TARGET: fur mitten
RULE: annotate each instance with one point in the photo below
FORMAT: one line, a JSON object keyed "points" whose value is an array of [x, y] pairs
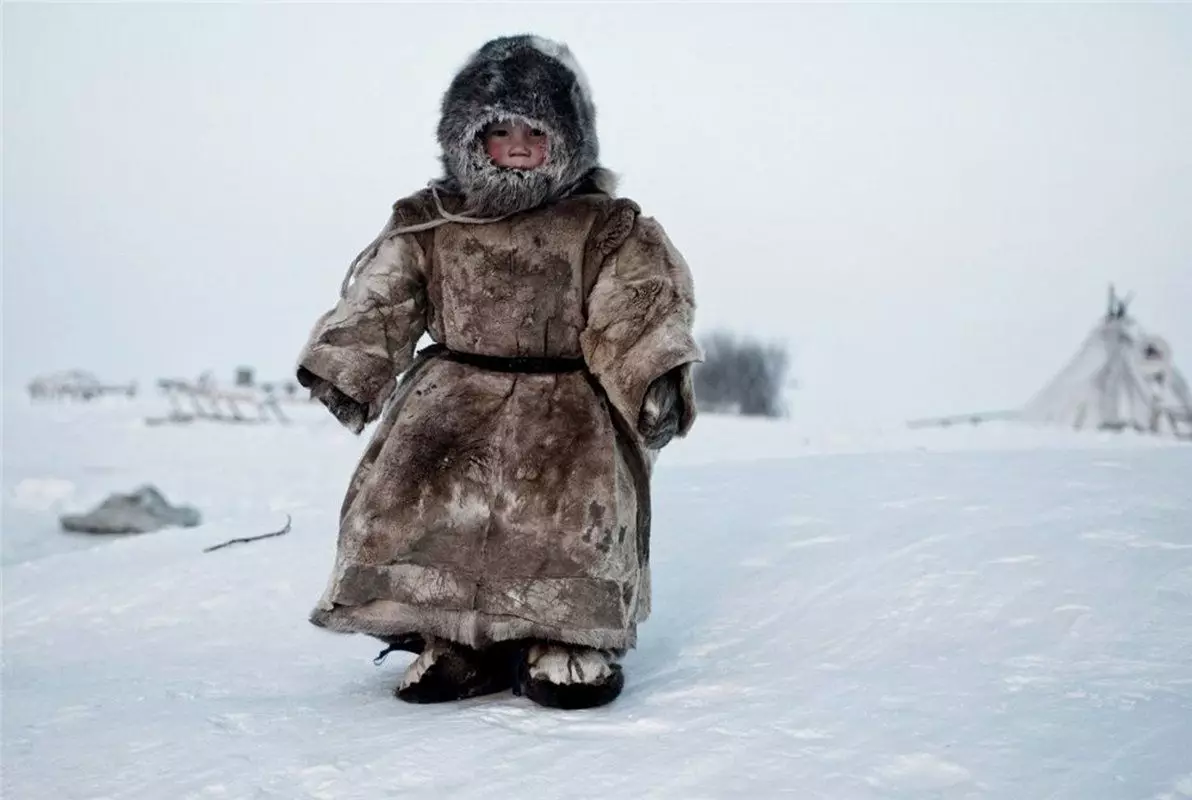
{"points": [[352, 414], [662, 409]]}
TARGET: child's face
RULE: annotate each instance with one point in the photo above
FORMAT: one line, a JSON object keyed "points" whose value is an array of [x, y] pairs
{"points": [[515, 145]]}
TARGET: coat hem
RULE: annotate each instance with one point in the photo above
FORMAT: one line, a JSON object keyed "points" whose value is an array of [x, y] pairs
{"points": [[473, 628]]}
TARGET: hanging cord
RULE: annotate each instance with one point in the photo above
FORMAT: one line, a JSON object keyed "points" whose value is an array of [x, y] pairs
{"points": [[380, 659], [408, 642], [392, 229], [449, 217]]}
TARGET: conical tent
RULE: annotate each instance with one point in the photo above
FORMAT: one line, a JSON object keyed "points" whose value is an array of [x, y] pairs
{"points": [[1121, 378]]}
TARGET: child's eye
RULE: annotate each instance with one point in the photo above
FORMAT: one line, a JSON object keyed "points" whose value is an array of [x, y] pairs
{"points": [[499, 132], [537, 132]]}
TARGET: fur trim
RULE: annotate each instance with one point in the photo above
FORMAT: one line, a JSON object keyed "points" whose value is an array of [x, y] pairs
{"points": [[526, 78], [433, 651], [560, 664]]}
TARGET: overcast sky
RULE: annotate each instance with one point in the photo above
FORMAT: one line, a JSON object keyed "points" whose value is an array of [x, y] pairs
{"points": [[926, 202]]}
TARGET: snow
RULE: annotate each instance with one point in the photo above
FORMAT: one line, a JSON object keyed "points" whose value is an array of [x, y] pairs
{"points": [[994, 612]]}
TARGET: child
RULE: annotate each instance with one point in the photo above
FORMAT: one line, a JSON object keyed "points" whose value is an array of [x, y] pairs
{"points": [[498, 522]]}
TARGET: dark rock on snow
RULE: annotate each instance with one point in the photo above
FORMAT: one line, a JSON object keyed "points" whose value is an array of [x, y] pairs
{"points": [[142, 511]]}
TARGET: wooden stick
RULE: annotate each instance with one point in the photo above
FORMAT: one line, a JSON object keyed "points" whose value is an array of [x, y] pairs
{"points": [[282, 532]]}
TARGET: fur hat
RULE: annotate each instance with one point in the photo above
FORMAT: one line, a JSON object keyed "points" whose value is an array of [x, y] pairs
{"points": [[530, 79]]}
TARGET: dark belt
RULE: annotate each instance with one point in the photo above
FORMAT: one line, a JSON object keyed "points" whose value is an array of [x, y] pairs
{"points": [[525, 364]]}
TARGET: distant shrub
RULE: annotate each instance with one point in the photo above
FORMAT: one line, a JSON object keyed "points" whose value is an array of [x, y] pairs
{"points": [[741, 375]]}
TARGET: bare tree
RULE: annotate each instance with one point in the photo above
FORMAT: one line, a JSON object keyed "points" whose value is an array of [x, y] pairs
{"points": [[740, 375]]}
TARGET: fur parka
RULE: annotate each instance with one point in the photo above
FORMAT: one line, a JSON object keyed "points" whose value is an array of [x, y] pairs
{"points": [[492, 505]]}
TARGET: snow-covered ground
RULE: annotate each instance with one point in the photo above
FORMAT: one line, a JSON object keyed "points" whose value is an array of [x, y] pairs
{"points": [[975, 613]]}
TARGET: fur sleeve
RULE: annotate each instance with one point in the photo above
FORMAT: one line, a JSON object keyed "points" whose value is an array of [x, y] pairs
{"points": [[641, 313], [368, 338]]}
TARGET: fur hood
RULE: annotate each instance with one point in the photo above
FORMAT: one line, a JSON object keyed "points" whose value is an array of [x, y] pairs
{"points": [[534, 80]]}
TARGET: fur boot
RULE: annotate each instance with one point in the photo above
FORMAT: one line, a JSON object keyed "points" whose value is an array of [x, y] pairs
{"points": [[447, 671], [568, 676]]}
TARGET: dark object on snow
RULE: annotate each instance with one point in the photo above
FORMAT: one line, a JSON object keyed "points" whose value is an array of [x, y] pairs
{"points": [[246, 539], [142, 511]]}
